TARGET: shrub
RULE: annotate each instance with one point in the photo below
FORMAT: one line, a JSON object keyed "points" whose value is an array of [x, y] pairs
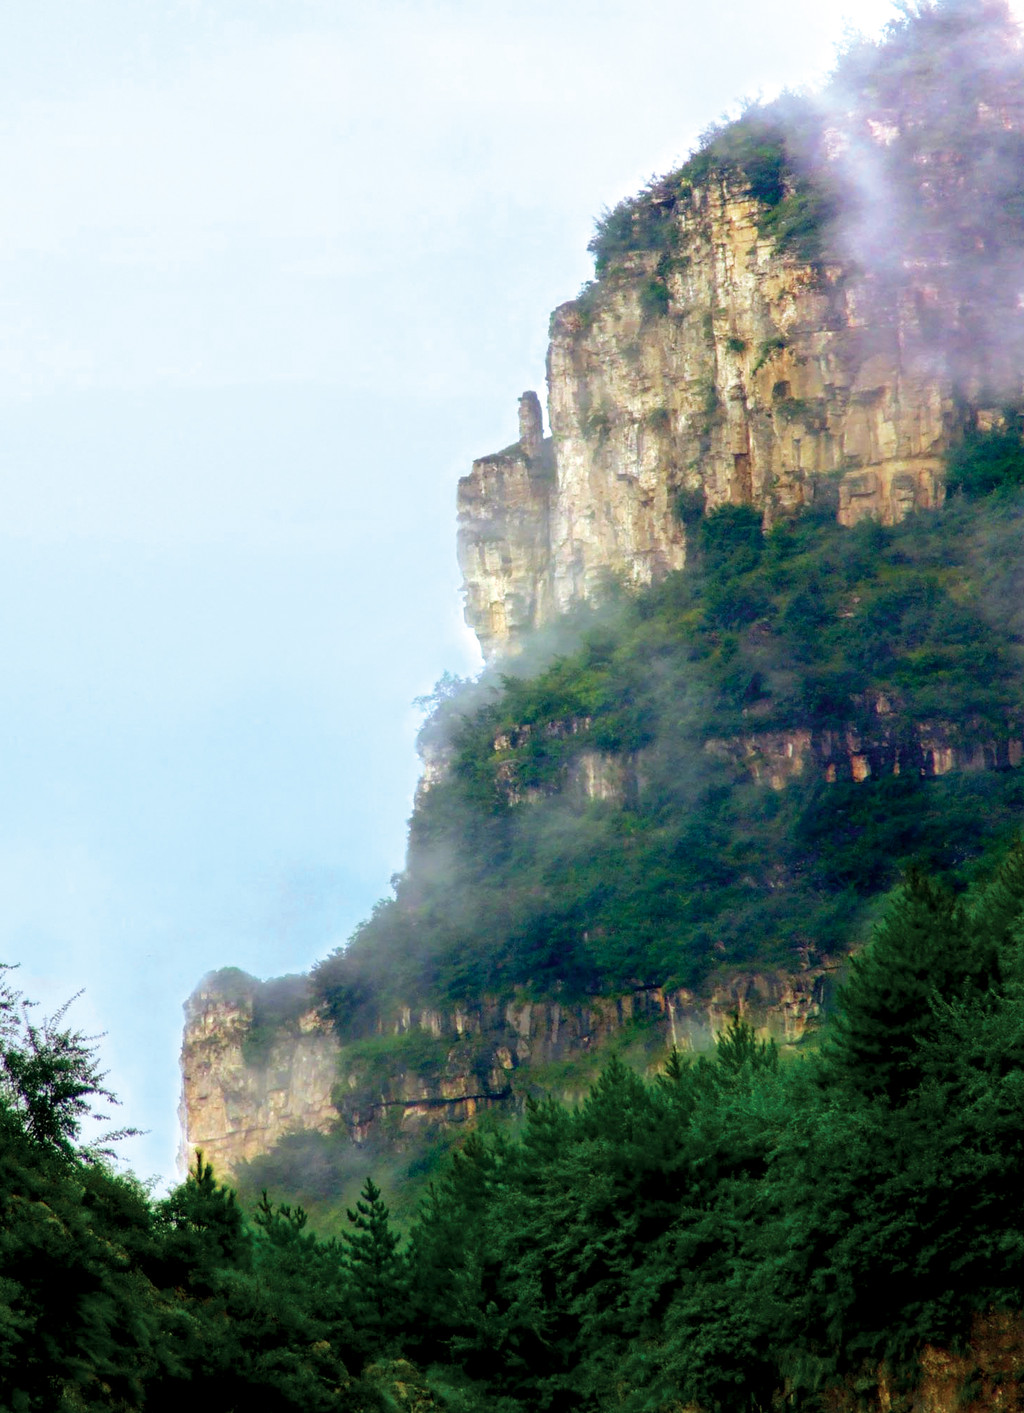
{"points": [[769, 348], [654, 298], [642, 222], [984, 462], [732, 540]]}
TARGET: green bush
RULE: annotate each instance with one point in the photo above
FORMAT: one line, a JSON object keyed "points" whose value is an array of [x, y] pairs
{"points": [[757, 149], [985, 462], [654, 298], [767, 351], [643, 222], [732, 541]]}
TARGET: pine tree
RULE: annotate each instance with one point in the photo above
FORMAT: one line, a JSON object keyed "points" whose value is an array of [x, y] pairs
{"points": [[203, 1232], [372, 1257], [925, 947], [739, 1052], [997, 910]]}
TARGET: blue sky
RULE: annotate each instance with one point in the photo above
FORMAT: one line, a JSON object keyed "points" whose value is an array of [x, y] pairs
{"points": [[271, 274]]}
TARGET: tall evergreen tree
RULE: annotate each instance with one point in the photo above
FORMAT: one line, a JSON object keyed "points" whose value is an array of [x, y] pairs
{"points": [[204, 1231], [372, 1257], [996, 912], [924, 947]]}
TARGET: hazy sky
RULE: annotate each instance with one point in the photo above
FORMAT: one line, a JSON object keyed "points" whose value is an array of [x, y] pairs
{"points": [[271, 274]]}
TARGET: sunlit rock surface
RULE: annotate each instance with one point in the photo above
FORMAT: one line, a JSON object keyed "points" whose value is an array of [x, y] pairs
{"points": [[504, 533], [244, 1086], [243, 1090], [757, 379]]}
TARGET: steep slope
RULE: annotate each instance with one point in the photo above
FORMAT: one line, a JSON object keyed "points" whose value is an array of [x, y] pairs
{"points": [[772, 549], [690, 815], [249, 1086], [617, 818], [813, 306], [749, 379]]}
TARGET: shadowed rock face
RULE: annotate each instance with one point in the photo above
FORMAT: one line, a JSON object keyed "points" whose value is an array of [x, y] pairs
{"points": [[984, 1375], [760, 380], [240, 1098]]}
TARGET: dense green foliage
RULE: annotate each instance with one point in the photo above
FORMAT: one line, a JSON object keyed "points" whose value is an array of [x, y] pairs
{"points": [[111, 1300], [737, 1228], [882, 636], [985, 462], [729, 1234]]}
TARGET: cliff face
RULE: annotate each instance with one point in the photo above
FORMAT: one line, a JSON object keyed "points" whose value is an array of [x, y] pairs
{"points": [[984, 1375], [245, 1086], [505, 530], [712, 370], [724, 374], [777, 757]]}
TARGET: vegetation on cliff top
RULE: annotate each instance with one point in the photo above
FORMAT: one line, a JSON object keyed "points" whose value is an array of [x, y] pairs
{"points": [[758, 156], [910, 157]]}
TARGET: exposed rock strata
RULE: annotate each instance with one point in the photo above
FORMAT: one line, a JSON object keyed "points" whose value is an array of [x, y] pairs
{"points": [[770, 757], [241, 1092], [239, 1099], [758, 379], [929, 749], [504, 530], [985, 1375]]}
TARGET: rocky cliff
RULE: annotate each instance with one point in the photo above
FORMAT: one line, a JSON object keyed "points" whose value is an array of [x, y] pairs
{"points": [[722, 372], [246, 1084], [714, 361]]}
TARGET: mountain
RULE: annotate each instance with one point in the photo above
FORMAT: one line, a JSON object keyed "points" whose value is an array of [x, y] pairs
{"points": [[814, 307], [752, 616], [751, 726]]}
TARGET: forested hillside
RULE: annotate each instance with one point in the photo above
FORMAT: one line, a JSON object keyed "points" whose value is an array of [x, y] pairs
{"points": [[806, 744], [730, 1233], [861, 643], [697, 862]]}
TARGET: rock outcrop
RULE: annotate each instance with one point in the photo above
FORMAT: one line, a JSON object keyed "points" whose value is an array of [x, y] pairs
{"points": [[725, 373], [246, 1085], [504, 532], [881, 744], [930, 749], [985, 1374]]}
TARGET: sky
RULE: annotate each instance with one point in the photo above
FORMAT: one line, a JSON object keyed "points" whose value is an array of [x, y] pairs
{"points": [[272, 273]]}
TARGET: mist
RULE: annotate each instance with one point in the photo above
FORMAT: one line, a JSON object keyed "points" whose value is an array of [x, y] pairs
{"points": [[272, 272], [920, 145]]}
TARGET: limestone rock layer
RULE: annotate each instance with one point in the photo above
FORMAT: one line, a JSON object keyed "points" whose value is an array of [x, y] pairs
{"points": [[243, 1091], [724, 373]]}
